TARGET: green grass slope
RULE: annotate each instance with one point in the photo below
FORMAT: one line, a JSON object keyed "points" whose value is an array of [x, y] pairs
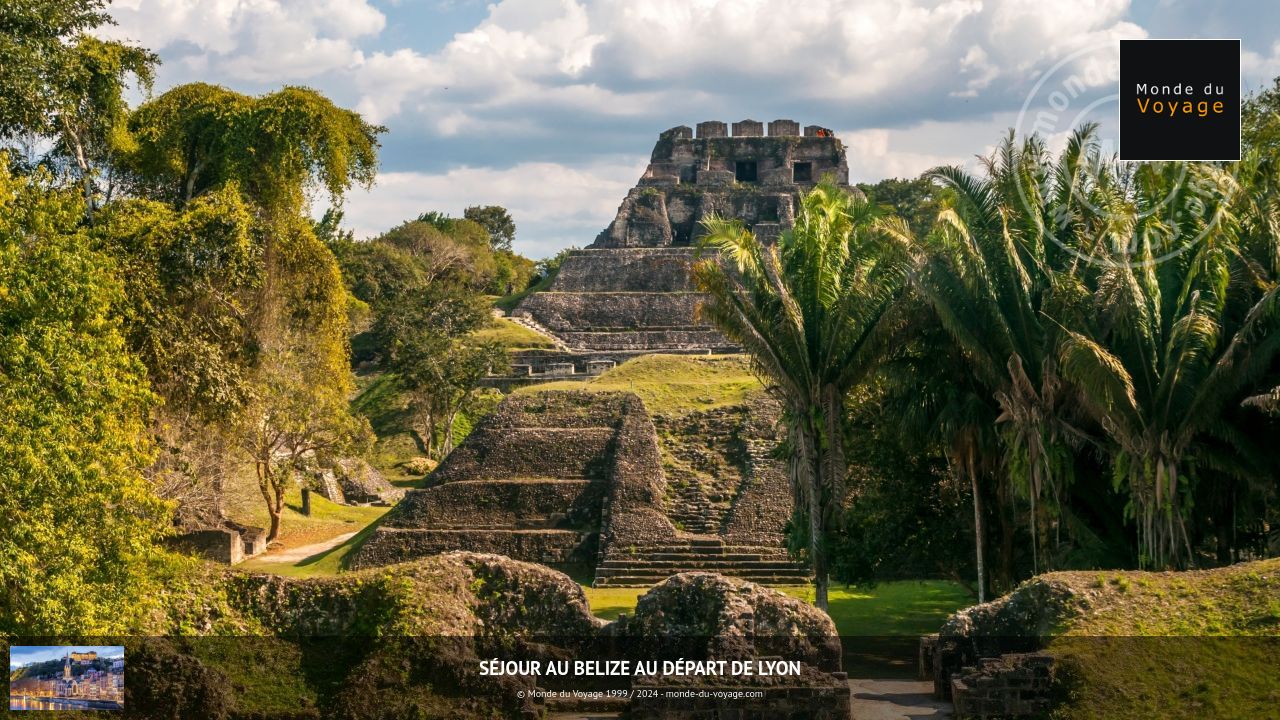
{"points": [[674, 384], [1129, 645]]}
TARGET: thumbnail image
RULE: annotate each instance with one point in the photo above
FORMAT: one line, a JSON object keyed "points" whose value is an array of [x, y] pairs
{"points": [[66, 677]]}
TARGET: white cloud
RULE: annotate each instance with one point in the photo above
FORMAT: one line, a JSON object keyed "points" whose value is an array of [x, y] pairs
{"points": [[553, 205], [250, 40], [642, 54]]}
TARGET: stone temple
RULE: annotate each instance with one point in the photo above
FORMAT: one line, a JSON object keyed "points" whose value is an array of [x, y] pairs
{"points": [[630, 292], [590, 481]]}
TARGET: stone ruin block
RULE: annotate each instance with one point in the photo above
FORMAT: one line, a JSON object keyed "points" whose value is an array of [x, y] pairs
{"points": [[777, 176], [715, 178], [748, 128], [679, 132], [253, 540], [712, 129], [817, 131], [521, 370], [784, 128], [229, 544], [595, 367], [559, 369], [767, 233]]}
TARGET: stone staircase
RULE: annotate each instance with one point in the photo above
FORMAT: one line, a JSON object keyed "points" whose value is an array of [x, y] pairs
{"points": [[526, 321], [692, 512], [651, 564]]}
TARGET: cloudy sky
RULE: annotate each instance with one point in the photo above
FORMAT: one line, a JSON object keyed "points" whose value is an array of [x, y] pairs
{"points": [[550, 107]]}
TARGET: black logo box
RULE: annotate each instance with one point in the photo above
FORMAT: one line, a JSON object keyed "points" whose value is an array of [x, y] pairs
{"points": [[1188, 65]]}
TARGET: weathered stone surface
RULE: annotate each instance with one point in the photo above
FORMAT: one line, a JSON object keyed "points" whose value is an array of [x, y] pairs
{"points": [[784, 128], [973, 641], [712, 129], [228, 543], [728, 619], [625, 311], [1015, 685], [703, 616], [361, 483]]}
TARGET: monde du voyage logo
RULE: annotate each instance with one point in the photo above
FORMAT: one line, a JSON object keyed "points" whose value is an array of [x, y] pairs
{"points": [[1180, 100]]}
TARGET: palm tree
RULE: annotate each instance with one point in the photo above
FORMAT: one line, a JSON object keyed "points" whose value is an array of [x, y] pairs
{"points": [[1171, 347], [994, 263], [814, 312]]}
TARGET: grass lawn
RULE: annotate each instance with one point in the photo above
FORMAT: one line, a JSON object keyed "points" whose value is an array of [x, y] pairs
{"points": [[513, 336], [326, 520], [674, 384], [906, 608], [324, 564]]}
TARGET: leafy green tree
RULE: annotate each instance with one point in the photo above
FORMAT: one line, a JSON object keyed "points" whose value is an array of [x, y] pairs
{"points": [[191, 278], [512, 273], [296, 411], [277, 147], [427, 338], [88, 106], [496, 221], [80, 521], [994, 264], [917, 201], [35, 35], [58, 83], [330, 231], [937, 409], [815, 313], [281, 320]]}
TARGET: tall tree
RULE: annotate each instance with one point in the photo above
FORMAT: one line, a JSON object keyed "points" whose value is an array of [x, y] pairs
{"points": [[993, 264], [277, 294], [427, 339], [276, 147], [496, 221], [88, 106], [35, 35], [814, 313], [79, 520]]}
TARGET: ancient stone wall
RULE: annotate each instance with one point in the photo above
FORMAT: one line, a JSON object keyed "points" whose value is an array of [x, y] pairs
{"points": [[391, 545], [1017, 685], [580, 312], [649, 340], [216, 544], [633, 512], [625, 270], [527, 504]]}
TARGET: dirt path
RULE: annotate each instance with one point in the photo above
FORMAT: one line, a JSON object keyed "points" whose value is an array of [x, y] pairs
{"points": [[896, 700], [296, 555]]}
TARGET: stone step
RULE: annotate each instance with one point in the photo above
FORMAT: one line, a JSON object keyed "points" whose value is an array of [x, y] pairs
{"points": [[624, 557], [701, 549], [763, 568], [637, 581]]}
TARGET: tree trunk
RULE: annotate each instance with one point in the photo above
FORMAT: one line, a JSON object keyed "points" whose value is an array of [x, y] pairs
{"points": [[446, 443], [274, 532], [977, 524]]}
